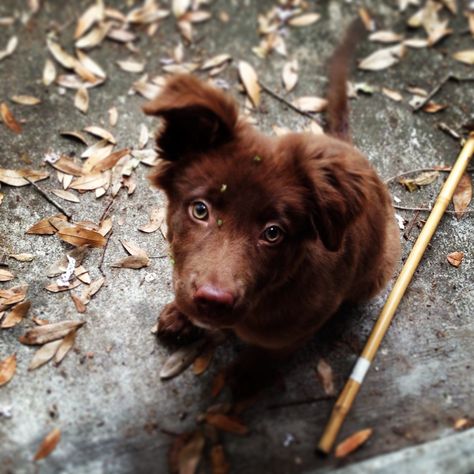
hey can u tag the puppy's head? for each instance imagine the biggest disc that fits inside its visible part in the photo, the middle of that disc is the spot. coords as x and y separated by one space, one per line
243 208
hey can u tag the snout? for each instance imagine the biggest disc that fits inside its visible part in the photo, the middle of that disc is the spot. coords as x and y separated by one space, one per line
214 300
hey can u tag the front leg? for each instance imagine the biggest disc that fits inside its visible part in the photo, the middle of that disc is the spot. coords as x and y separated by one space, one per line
174 324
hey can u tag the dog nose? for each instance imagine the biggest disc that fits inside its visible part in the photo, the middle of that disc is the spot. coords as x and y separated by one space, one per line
209 295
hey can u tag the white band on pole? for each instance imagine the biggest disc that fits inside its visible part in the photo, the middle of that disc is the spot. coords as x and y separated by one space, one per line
360 369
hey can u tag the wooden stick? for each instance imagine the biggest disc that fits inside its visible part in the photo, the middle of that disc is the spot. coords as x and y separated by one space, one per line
348 394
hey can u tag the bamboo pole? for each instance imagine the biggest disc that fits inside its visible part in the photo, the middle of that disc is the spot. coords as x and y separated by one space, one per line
350 390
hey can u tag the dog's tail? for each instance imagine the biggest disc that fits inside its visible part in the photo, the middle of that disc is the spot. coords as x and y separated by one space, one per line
337 111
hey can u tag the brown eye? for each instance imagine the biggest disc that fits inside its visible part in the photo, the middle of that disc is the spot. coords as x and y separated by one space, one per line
273 234
199 210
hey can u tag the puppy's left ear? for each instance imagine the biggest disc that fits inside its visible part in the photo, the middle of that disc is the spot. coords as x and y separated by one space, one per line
338 192
197 117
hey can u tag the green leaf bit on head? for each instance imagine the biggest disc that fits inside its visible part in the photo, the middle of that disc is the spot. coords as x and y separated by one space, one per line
223 188
257 159
219 222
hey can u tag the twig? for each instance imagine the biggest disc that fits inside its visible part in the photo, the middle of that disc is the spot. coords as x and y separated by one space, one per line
284 101
426 209
444 127
101 263
51 201
304 401
107 208
421 170
437 88
407 232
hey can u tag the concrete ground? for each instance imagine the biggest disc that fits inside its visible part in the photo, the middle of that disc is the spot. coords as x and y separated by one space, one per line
114 412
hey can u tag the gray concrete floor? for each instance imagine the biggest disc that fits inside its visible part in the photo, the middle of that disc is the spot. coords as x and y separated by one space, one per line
114 412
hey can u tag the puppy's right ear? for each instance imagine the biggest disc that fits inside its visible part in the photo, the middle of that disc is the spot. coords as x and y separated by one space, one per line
196 116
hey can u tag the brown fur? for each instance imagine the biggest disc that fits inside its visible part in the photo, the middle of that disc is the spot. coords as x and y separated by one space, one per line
340 241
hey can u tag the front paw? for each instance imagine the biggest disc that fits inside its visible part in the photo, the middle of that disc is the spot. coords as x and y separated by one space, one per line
174 324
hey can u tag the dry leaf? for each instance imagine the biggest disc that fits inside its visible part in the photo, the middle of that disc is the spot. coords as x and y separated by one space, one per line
44 354
326 377
20 177
66 345
89 182
49 332
25 100
16 315
382 58
74 134
466 56
290 75
462 195
92 15
44 227
416 42
385 37
180 7
13 295
228 423
89 64
201 363
113 116
197 16
219 463
304 20
49 73
110 161
5 275
310 104
394 95
455 258
249 79
66 195
10 48
423 179
8 118
60 54
121 35
66 165
131 66
78 236
133 249
94 37
367 20
216 61
181 359
55 288
190 454
81 100
463 423
157 217
105 226
433 107
352 443
92 289
22 257
7 369
101 133
78 303
132 261
47 446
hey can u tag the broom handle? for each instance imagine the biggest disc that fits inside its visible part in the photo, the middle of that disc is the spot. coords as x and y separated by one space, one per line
350 390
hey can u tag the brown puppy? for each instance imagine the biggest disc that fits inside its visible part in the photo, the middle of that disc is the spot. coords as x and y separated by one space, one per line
269 235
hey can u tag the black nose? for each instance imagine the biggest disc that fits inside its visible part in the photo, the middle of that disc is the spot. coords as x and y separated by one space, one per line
211 297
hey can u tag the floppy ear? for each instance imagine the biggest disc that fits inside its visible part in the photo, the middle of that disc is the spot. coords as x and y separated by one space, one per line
196 117
338 192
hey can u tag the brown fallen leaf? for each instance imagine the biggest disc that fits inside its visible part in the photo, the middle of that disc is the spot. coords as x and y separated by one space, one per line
325 375
228 423
384 36
5 275
94 37
55 288
219 463
13 295
462 195
310 104
383 58
110 161
8 118
16 315
44 354
67 165
92 289
423 179
79 236
49 332
202 362
352 443
66 345
216 61
78 303
190 454
249 79
48 444
304 20
181 359
10 49
433 107
89 182
66 195
7 369
157 217
455 258
20 177
290 75
132 261
25 100
463 424
81 100
133 249
129 65
392 94
466 56
94 14
49 73
44 226
22 257
101 133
